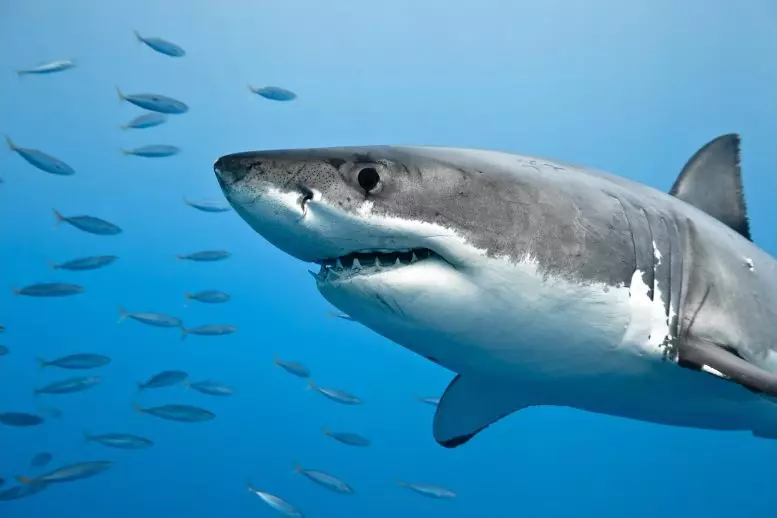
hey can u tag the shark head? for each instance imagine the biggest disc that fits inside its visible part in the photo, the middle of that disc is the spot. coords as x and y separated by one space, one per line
417 243
375 222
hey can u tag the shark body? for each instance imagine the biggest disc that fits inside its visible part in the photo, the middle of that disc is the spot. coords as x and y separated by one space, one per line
537 282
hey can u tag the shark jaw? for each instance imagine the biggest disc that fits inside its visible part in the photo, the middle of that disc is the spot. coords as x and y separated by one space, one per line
366 263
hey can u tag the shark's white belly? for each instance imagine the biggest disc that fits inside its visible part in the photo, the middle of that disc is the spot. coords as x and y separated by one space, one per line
591 347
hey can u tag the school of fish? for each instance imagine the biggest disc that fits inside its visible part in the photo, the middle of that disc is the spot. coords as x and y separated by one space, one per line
157 109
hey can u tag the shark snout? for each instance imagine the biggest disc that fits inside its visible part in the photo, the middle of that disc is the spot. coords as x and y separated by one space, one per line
232 168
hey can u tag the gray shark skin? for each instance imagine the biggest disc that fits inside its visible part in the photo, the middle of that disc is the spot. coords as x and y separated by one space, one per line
535 281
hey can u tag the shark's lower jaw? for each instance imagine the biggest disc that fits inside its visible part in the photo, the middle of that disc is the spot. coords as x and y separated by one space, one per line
367 263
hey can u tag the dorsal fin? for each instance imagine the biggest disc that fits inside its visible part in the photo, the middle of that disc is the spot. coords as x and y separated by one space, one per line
712 181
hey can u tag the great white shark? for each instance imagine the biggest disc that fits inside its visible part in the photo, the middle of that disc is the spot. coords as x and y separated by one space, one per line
537 282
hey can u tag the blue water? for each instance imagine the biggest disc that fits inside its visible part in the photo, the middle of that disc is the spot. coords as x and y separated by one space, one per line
630 87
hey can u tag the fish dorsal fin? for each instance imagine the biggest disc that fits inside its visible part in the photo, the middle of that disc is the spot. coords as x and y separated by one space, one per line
470 405
712 181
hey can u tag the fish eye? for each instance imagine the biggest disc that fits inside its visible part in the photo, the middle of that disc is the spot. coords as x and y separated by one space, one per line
368 178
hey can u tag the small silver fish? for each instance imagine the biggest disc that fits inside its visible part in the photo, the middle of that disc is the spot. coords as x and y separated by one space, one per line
41 459
274 93
85 263
162 46
164 379
69 473
59 65
152 151
335 395
183 413
212 388
351 439
295 368
20 419
429 490
77 361
205 256
208 330
154 102
340 315
277 503
326 480
208 296
89 224
151 319
49 289
122 441
41 160
69 385
147 120
208 205
21 491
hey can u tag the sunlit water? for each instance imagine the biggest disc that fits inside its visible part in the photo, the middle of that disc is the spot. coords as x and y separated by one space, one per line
630 87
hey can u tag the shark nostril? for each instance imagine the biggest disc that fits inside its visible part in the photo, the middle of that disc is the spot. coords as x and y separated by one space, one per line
230 170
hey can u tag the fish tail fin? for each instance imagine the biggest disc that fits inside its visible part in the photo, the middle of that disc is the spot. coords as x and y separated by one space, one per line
297 468
23 480
41 362
16 291
122 315
311 384
123 126
10 143
138 37
402 483
53 265
251 89
121 95
136 406
179 257
59 217
187 383
276 360
325 430
125 152
85 434
184 333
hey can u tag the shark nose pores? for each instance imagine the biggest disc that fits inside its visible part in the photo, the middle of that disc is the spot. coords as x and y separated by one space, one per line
230 169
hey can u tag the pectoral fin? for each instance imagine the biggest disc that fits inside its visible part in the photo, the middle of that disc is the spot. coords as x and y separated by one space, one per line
730 365
470 405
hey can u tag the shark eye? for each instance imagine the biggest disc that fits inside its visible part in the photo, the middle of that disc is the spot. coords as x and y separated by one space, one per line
368 178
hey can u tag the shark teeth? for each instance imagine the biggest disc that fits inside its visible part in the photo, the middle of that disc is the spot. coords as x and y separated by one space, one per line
366 262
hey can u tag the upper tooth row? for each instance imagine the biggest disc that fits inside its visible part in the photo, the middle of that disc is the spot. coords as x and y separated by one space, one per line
358 264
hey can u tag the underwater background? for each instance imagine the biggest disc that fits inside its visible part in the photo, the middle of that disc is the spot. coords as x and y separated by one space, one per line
634 88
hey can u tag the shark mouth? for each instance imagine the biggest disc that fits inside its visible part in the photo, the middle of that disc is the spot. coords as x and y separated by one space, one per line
371 262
